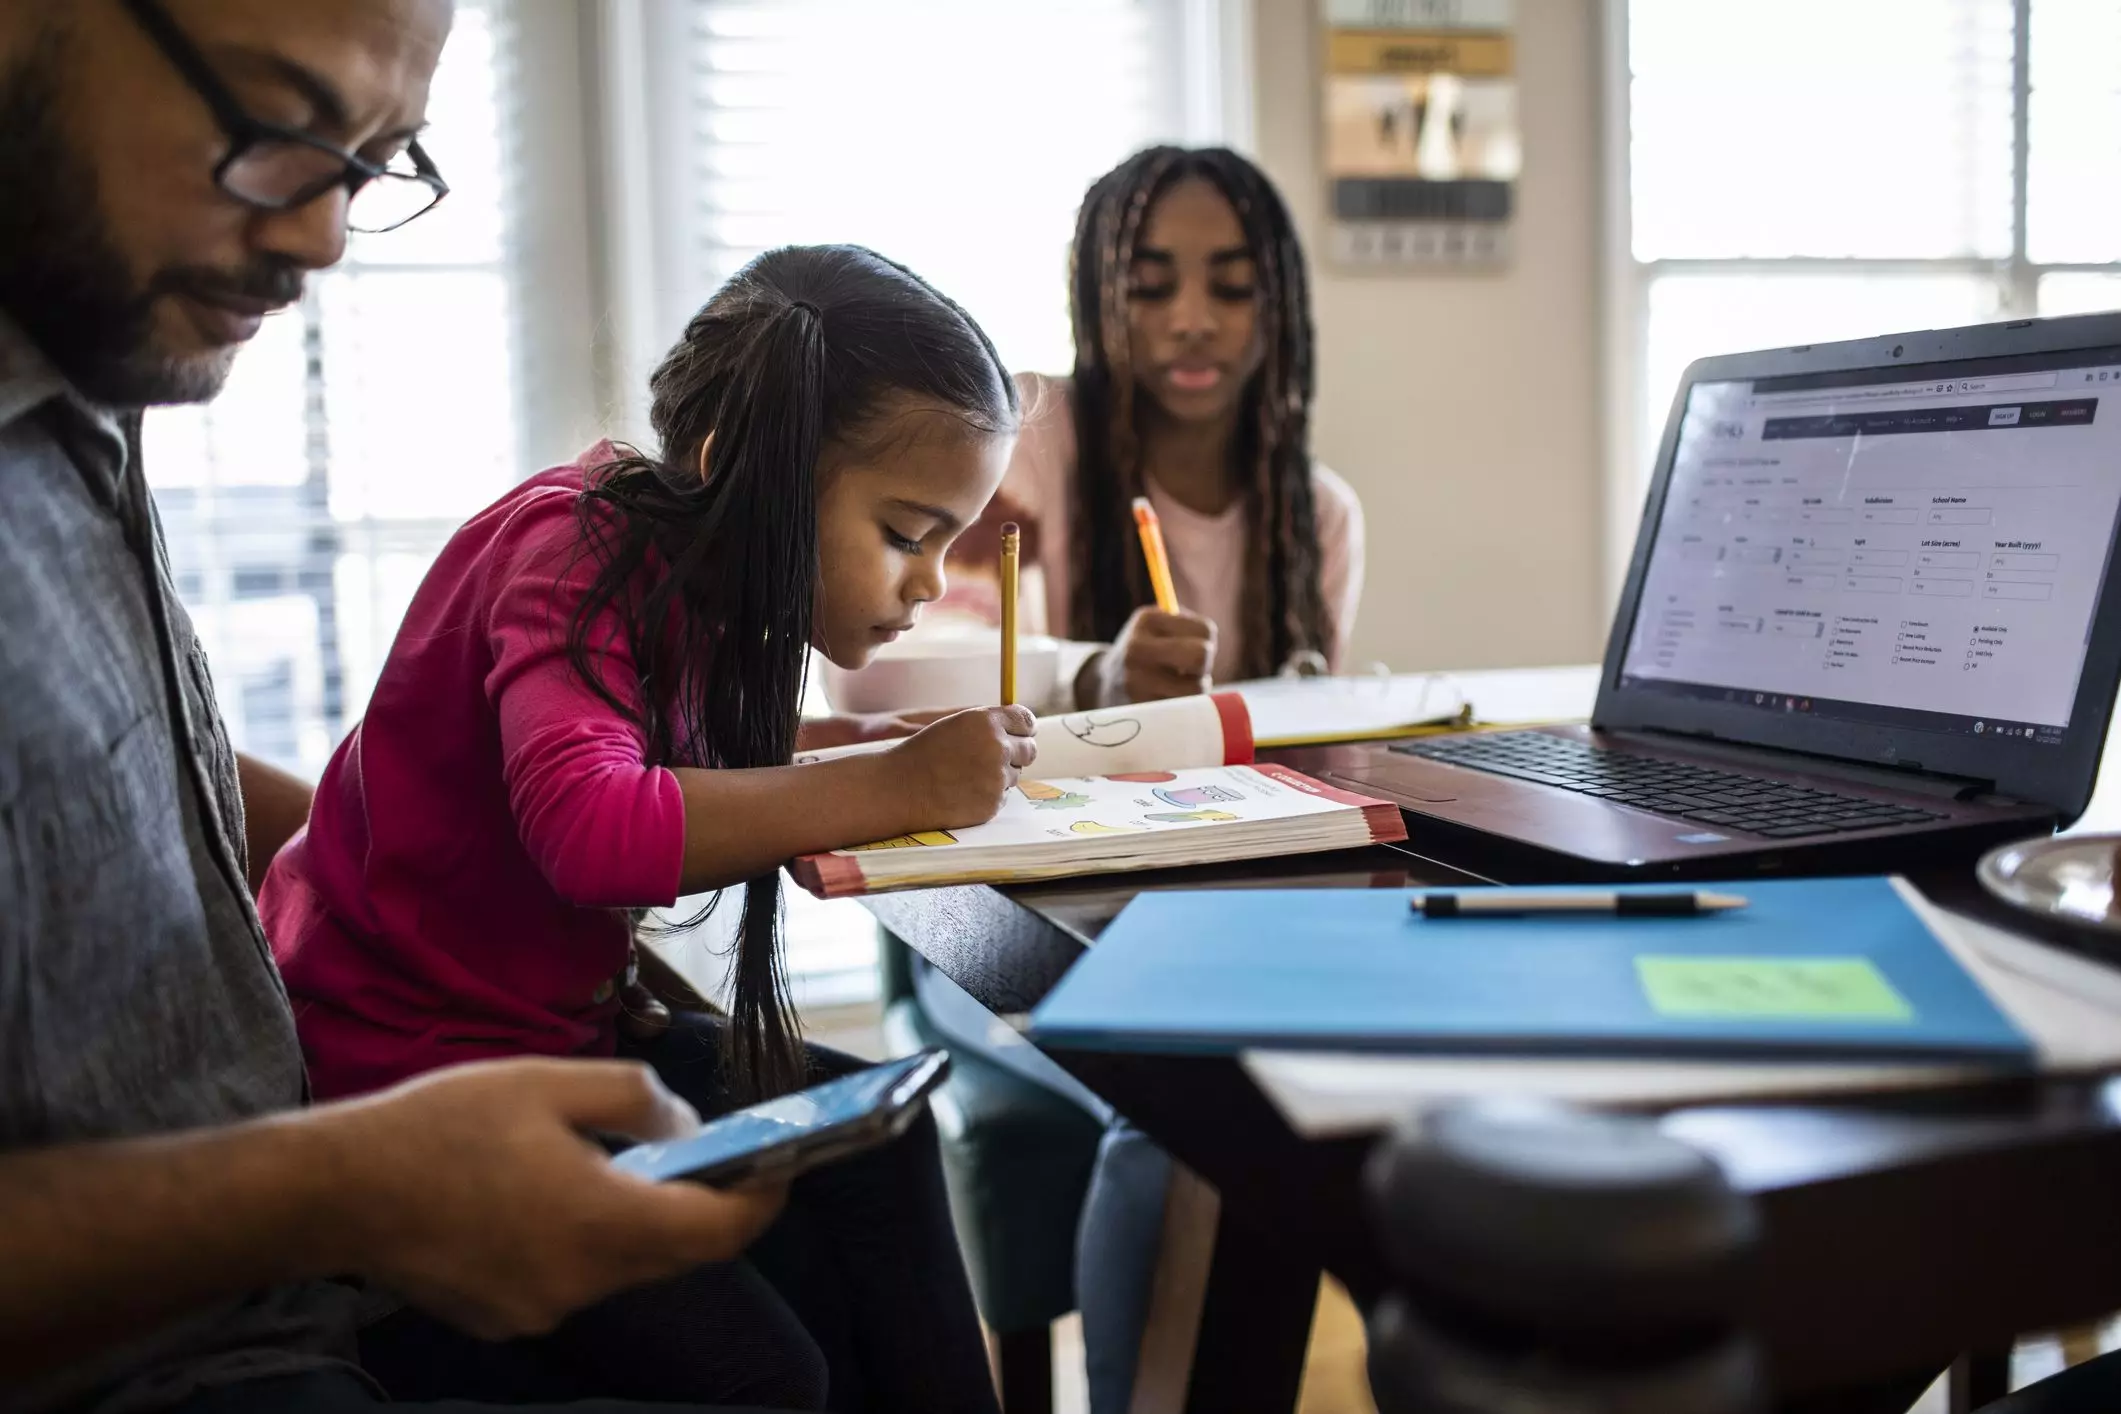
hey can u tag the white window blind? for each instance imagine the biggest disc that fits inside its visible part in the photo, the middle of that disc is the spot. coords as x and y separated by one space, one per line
1821 128
1815 170
356 433
954 136
2075 121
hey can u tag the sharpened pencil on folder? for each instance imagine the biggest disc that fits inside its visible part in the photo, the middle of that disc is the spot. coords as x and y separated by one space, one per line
1509 903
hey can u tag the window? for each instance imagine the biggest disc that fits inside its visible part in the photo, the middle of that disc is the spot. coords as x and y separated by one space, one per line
356 433
954 136
1817 170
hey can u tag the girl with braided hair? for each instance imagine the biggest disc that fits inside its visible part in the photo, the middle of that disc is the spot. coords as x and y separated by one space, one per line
1192 386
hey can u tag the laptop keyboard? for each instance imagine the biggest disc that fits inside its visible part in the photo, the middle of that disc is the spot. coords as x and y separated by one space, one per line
1727 800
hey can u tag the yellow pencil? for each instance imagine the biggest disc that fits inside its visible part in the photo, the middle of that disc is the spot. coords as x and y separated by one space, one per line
1152 533
1012 542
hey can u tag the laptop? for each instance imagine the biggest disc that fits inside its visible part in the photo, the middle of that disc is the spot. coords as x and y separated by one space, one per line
1871 621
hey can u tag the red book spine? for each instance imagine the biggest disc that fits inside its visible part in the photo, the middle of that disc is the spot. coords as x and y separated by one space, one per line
1238 747
1387 825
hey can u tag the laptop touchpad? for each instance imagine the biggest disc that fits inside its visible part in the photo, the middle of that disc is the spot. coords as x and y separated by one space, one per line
1396 782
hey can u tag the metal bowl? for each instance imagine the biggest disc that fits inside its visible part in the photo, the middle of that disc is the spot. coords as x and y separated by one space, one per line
2065 887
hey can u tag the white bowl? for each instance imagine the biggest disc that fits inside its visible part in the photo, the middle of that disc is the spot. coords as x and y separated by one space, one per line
954 669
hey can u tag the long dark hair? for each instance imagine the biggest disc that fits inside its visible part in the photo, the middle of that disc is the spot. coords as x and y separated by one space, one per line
712 580
1283 605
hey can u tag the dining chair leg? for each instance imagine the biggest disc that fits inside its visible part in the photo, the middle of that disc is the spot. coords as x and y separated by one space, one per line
1023 1369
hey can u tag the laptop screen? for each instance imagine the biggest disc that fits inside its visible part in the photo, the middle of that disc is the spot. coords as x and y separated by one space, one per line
1881 546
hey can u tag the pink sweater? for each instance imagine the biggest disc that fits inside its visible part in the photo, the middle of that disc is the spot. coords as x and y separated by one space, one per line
457 893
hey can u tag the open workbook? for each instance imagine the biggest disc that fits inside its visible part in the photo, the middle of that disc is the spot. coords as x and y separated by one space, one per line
1149 787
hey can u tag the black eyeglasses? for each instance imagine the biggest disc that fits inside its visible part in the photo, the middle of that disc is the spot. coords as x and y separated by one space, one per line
277 168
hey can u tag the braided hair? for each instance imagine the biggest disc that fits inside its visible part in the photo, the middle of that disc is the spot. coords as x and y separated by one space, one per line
1283 606
711 580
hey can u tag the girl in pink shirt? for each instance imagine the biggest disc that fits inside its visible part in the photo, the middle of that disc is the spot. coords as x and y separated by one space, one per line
590 709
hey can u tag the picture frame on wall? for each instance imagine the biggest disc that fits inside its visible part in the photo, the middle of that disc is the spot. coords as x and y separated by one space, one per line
1423 145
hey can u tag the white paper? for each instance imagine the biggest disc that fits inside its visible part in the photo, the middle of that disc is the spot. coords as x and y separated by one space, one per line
1295 710
1177 734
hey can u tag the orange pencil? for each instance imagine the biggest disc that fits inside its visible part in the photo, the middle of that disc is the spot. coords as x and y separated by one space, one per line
1012 544
1152 533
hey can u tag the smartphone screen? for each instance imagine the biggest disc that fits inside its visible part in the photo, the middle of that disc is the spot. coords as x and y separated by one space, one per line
820 1109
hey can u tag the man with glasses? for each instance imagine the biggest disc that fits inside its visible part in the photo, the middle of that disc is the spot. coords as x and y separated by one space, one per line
171 1217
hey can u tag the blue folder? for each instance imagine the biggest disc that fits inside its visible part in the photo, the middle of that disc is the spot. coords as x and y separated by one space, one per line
1812 969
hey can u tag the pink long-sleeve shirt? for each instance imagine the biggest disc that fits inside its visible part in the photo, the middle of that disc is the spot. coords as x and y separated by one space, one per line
458 892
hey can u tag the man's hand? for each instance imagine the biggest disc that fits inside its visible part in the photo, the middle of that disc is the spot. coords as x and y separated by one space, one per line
473 1194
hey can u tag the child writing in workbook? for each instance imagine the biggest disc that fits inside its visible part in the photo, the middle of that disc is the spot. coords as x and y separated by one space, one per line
590 710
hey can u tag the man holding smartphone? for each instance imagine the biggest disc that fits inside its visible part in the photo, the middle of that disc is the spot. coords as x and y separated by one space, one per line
171 1216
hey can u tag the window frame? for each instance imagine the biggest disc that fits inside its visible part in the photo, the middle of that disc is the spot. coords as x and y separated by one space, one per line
1630 438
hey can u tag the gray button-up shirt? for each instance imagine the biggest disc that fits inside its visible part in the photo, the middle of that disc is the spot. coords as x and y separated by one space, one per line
137 994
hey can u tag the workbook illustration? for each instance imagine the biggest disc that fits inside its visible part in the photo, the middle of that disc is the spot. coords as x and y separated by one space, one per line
1210 794
921 840
1044 795
1110 729
1052 828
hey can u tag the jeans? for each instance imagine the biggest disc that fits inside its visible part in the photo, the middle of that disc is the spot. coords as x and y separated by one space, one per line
854 1300
1122 1221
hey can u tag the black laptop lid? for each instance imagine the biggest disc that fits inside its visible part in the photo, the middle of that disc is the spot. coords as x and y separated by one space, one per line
1897 550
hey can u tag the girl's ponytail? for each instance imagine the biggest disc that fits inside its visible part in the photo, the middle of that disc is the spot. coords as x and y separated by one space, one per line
797 351
770 421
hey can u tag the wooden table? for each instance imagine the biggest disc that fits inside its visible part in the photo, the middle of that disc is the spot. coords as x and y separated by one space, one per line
1899 1231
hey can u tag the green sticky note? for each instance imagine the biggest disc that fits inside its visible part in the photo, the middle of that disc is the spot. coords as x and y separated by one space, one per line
1802 989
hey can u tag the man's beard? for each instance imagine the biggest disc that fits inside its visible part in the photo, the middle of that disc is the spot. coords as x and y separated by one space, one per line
62 277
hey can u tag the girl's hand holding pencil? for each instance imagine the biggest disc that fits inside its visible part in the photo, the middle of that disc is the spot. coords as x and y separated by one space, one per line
956 772
1156 655
1160 652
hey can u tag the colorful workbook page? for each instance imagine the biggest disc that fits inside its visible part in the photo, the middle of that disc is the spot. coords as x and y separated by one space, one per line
1054 827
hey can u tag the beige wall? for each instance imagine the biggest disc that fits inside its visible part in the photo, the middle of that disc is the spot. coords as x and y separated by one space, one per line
1463 407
